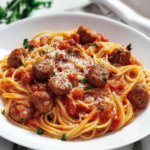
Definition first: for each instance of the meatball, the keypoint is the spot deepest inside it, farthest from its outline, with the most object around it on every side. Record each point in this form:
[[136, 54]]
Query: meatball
[[73, 51], [120, 56], [59, 85], [21, 111], [15, 58], [139, 95], [43, 101], [43, 69], [87, 35], [98, 75]]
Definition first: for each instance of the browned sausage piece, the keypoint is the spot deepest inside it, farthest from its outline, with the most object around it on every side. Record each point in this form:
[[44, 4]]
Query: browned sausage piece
[[21, 111], [43, 101], [139, 95], [59, 85], [87, 35], [43, 69], [73, 51], [98, 75], [15, 58], [120, 56]]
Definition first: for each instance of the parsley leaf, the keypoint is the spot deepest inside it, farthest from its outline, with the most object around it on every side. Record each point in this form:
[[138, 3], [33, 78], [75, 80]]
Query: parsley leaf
[[63, 138], [92, 44], [21, 63], [98, 107], [88, 88], [31, 47], [56, 54], [84, 80], [53, 74], [43, 52], [104, 74], [39, 131], [129, 47], [119, 51], [104, 79], [19, 9], [3, 112], [73, 84], [25, 43]]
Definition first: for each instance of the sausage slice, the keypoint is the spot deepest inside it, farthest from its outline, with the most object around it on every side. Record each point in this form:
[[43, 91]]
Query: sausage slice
[[98, 75], [21, 111], [59, 85], [120, 56], [43, 101], [15, 58], [139, 95], [43, 69], [87, 35]]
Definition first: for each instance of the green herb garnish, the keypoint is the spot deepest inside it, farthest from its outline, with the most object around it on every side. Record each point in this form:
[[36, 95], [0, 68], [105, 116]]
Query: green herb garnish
[[39, 131], [73, 84], [104, 79], [63, 138], [92, 44], [129, 47], [84, 80], [21, 63], [25, 44], [88, 88], [104, 74], [53, 74], [3, 112], [98, 107], [19, 9], [43, 52], [56, 54], [119, 51]]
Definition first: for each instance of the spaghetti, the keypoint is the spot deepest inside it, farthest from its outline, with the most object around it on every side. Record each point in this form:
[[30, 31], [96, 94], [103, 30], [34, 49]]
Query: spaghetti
[[86, 86]]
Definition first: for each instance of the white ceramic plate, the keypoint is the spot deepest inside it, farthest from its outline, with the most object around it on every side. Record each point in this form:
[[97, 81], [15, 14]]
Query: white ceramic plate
[[116, 32]]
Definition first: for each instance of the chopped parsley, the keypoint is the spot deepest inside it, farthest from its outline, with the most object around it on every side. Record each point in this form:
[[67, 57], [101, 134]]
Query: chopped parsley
[[39, 131], [68, 55], [21, 63], [119, 51], [104, 79], [88, 88], [63, 138], [104, 74], [84, 80], [129, 47], [3, 112], [73, 84], [92, 44], [53, 74], [49, 118], [56, 54], [98, 107], [25, 44], [43, 52]]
